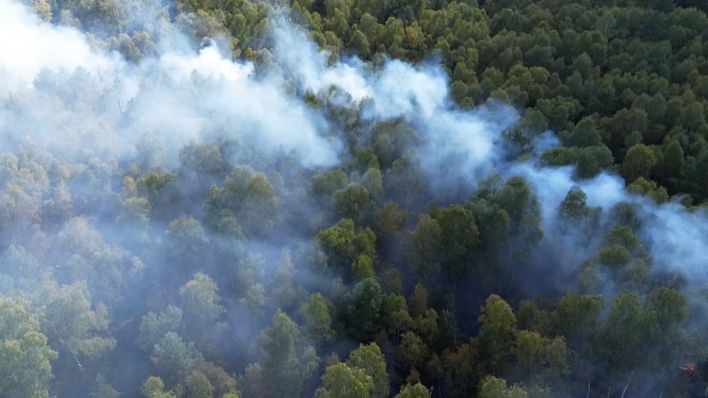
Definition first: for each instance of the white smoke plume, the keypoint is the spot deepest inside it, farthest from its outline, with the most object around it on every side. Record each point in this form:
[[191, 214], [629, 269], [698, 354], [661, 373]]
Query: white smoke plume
[[69, 97], [63, 94], [462, 146]]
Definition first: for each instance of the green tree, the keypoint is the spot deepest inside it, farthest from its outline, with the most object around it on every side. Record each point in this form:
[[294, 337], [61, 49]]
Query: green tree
[[284, 358], [340, 380], [363, 311], [370, 359], [623, 335], [428, 245], [174, 359], [25, 368], [673, 160], [247, 199], [198, 386], [317, 314], [459, 236], [638, 162], [497, 336], [154, 326], [413, 350], [72, 327], [414, 391], [154, 387], [540, 356], [200, 301], [493, 387], [351, 200]]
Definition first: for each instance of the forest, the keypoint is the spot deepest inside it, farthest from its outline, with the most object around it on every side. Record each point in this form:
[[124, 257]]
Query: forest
[[353, 198]]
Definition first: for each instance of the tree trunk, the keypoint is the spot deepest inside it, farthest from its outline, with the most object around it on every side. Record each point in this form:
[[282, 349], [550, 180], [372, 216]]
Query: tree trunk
[[624, 390]]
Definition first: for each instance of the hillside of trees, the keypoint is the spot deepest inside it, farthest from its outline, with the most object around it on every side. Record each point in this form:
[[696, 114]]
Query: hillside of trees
[[138, 258]]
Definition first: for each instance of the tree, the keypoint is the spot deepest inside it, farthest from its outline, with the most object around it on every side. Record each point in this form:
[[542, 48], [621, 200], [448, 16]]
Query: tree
[[574, 209], [370, 359], [666, 311], [414, 391], [351, 200], [585, 134], [247, 199], [577, 317], [642, 186], [638, 162], [359, 43], [337, 242], [518, 200], [496, 388], [284, 359], [413, 350], [72, 327], [459, 236], [343, 244], [673, 160], [198, 386], [174, 359], [154, 387], [200, 300], [427, 253], [317, 314], [154, 326], [540, 356], [592, 160], [363, 309], [25, 365], [160, 189], [497, 336], [340, 380], [327, 183], [623, 335], [187, 240]]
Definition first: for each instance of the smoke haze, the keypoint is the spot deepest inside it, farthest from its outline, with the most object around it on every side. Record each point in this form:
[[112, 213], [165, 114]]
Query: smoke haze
[[80, 125]]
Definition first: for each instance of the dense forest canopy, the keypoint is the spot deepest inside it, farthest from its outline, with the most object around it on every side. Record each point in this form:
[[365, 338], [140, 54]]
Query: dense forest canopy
[[353, 198]]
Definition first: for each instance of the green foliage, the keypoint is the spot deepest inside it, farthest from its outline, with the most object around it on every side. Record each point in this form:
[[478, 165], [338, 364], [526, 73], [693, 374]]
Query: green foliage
[[401, 277], [459, 236], [174, 359], [493, 387], [25, 368], [638, 162], [71, 326], [370, 359], [246, 201], [317, 314], [351, 200], [413, 391], [364, 307], [154, 387], [340, 380], [154, 326], [284, 357], [198, 386], [497, 336], [200, 300], [344, 245]]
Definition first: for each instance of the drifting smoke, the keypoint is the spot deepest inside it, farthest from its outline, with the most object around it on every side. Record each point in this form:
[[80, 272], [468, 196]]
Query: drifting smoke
[[94, 101], [67, 98], [462, 147]]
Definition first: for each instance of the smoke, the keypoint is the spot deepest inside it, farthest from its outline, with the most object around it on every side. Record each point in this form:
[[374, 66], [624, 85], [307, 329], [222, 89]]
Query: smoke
[[74, 115], [96, 104], [461, 147]]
